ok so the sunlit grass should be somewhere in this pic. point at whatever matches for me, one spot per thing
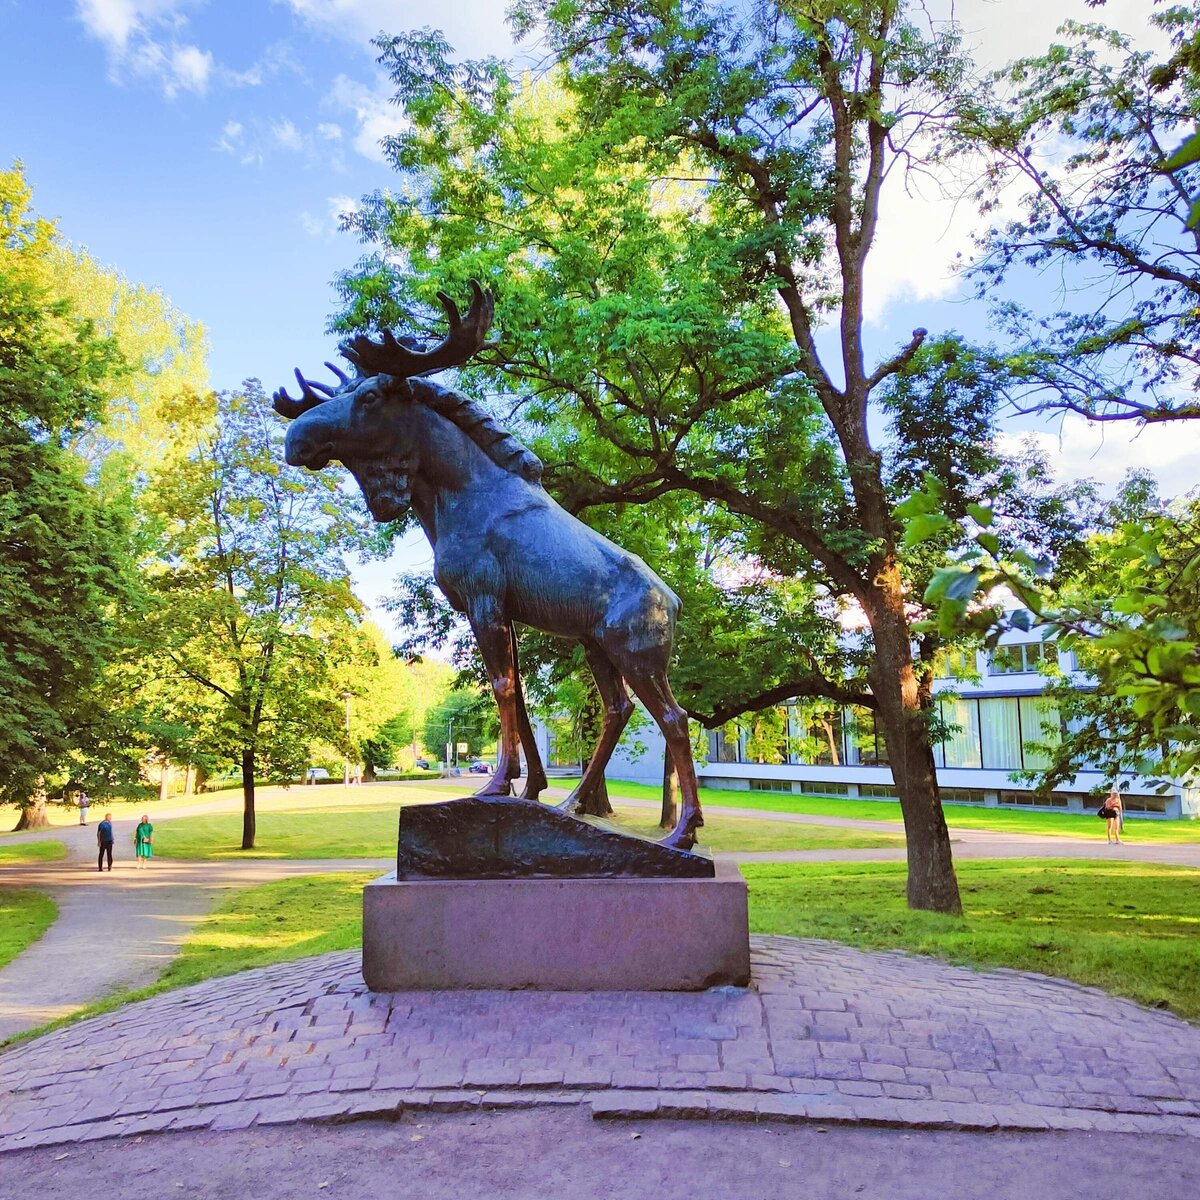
(23, 853)
(291, 918)
(958, 816)
(1129, 928)
(24, 916)
(358, 829)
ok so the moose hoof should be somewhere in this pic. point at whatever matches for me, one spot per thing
(683, 836)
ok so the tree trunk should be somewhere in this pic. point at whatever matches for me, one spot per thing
(670, 793)
(932, 884)
(164, 780)
(597, 803)
(248, 798)
(33, 813)
(189, 779)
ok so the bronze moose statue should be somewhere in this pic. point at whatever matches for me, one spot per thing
(504, 551)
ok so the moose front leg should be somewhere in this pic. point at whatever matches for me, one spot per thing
(494, 638)
(535, 773)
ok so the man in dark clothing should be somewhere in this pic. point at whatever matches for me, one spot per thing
(104, 839)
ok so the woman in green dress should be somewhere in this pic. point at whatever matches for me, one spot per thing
(143, 841)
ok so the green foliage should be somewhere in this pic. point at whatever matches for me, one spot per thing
(250, 633)
(66, 552)
(465, 715)
(1083, 133)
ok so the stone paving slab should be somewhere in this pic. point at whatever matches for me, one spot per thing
(825, 1034)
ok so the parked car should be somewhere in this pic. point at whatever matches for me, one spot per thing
(422, 764)
(479, 767)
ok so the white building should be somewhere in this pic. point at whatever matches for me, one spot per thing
(998, 716)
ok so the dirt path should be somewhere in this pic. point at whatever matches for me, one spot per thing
(531, 1155)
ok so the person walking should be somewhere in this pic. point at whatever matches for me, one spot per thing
(84, 801)
(143, 842)
(104, 839)
(1113, 812)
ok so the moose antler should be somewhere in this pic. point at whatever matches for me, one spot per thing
(465, 338)
(311, 394)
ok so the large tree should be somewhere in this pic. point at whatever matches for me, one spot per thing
(666, 241)
(250, 619)
(66, 563)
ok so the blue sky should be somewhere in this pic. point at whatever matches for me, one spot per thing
(205, 147)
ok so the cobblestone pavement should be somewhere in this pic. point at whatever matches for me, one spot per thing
(826, 1033)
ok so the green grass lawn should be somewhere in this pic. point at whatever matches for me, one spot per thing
(1130, 928)
(24, 916)
(359, 829)
(23, 853)
(958, 816)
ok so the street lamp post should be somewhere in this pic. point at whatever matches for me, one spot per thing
(449, 742)
(346, 764)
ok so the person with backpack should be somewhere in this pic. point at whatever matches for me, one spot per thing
(1112, 812)
(104, 839)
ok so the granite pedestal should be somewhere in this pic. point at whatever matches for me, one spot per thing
(614, 934)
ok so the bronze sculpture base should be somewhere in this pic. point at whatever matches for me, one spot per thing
(477, 838)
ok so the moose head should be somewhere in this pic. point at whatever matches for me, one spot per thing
(365, 421)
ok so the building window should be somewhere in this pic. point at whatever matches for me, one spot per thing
(865, 745)
(1033, 800)
(725, 747)
(770, 785)
(815, 738)
(1021, 659)
(961, 796)
(1000, 727)
(877, 791)
(960, 748)
(958, 664)
(824, 789)
(1149, 804)
(1040, 725)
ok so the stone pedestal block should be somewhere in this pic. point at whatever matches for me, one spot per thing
(619, 934)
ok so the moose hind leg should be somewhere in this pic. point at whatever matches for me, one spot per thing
(495, 645)
(654, 692)
(617, 710)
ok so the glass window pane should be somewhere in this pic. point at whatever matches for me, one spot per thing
(1000, 735)
(1039, 723)
(961, 747)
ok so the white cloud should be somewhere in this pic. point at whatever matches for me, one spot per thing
(373, 110)
(287, 135)
(328, 226)
(1104, 451)
(132, 33)
(473, 27)
(259, 138)
(997, 31)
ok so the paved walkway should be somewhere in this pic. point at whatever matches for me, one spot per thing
(827, 1033)
(120, 930)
